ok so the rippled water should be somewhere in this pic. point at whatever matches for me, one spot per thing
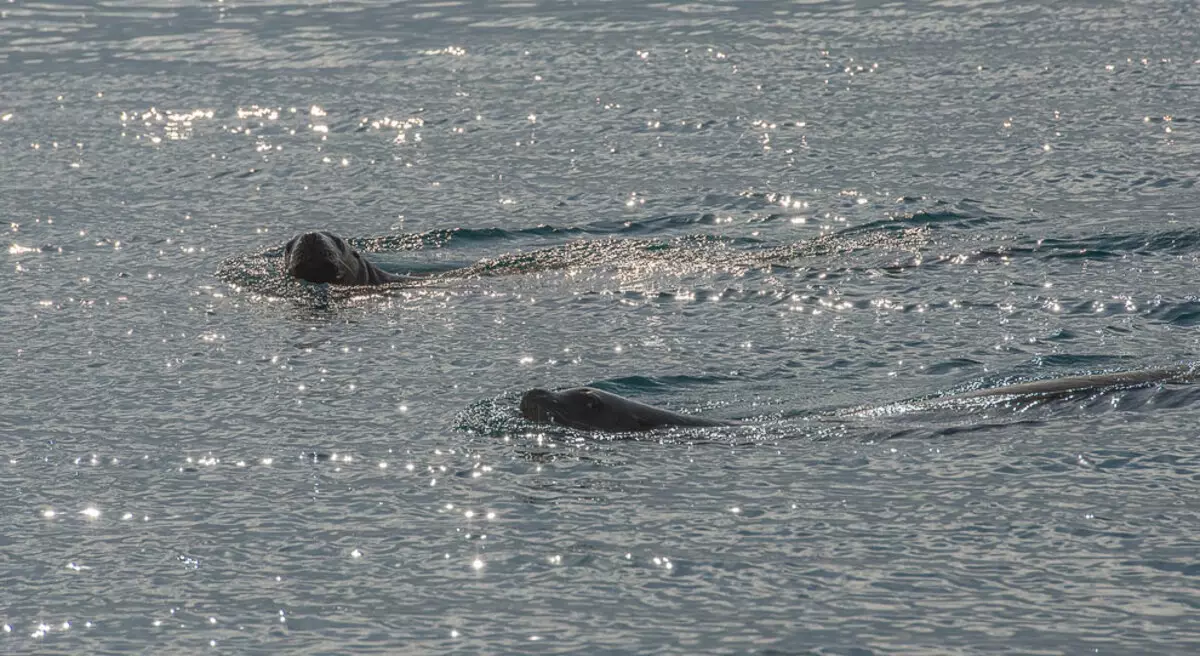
(766, 211)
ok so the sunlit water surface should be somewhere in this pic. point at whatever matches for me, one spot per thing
(762, 211)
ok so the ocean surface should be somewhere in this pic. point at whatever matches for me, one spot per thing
(815, 217)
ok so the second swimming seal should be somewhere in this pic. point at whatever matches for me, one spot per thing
(587, 408)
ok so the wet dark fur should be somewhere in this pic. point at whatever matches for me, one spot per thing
(325, 257)
(587, 408)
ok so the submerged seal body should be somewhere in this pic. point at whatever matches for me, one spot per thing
(587, 408)
(1059, 387)
(325, 257)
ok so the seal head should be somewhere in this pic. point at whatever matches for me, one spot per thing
(323, 257)
(587, 408)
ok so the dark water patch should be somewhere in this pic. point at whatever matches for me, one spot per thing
(1183, 568)
(1184, 314)
(955, 364)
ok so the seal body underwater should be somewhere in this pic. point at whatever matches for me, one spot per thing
(325, 257)
(1058, 387)
(588, 408)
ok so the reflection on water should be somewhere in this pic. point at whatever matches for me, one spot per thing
(770, 211)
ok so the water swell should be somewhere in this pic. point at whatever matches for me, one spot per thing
(636, 384)
(262, 272)
(962, 216)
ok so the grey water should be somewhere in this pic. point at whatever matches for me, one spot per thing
(766, 211)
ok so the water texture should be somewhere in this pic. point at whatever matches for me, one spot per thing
(815, 217)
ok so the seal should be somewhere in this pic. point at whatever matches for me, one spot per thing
(591, 409)
(325, 257)
(587, 408)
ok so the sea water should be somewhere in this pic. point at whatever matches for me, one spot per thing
(766, 211)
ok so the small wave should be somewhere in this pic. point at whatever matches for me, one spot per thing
(662, 224)
(1182, 314)
(1184, 241)
(493, 417)
(955, 412)
(964, 214)
(1172, 242)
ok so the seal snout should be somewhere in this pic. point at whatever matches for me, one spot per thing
(313, 257)
(535, 405)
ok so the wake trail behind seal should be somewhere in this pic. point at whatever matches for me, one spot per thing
(262, 273)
